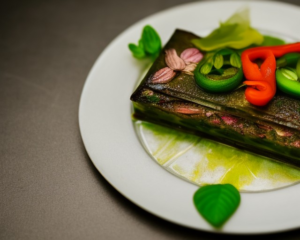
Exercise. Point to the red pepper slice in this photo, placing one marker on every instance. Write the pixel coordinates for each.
(261, 81)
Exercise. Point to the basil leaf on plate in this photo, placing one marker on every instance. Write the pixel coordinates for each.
(216, 203)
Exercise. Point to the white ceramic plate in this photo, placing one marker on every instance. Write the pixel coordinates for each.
(112, 144)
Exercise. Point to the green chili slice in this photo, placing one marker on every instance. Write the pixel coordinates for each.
(220, 72)
(227, 81)
(287, 82)
(287, 60)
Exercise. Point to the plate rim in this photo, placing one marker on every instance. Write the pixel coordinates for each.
(82, 102)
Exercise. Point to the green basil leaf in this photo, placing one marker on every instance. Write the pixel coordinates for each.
(141, 44)
(151, 40)
(136, 51)
(216, 203)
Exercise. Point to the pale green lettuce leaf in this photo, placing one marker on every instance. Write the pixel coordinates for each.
(234, 33)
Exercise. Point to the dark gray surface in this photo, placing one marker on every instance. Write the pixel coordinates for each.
(49, 188)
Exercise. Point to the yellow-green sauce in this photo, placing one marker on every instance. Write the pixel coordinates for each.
(202, 161)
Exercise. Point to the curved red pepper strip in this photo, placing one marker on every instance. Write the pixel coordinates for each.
(261, 81)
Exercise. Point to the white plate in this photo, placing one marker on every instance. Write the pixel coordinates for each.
(111, 142)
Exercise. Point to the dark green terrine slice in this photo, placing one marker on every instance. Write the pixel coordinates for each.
(272, 131)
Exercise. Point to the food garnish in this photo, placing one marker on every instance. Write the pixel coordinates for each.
(220, 71)
(216, 203)
(235, 33)
(148, 46)
(261, 81)
(288, 74)
(187, 62)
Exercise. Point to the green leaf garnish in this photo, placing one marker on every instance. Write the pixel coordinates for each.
(151, 40)
(136, 51)
(216, 203)
(148, 46)
(234, 33)
(141, 44)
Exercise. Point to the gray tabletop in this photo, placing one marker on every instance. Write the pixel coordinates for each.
(49, 187)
